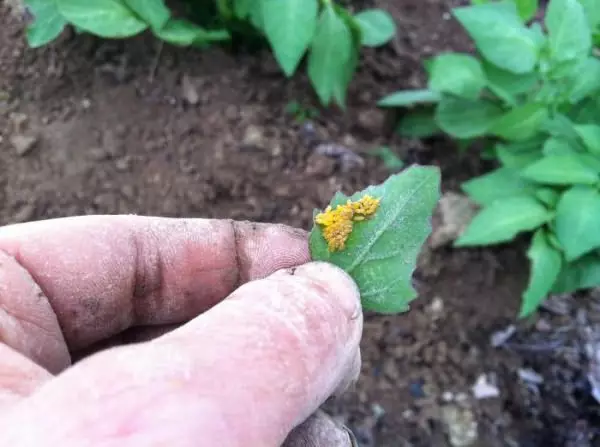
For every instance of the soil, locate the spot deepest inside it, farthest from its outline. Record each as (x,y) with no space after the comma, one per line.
(134,127)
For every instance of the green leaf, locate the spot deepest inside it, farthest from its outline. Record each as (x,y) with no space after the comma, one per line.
(577,221)
(459,74)
(516,158)
(242,8)
(546,263)
(154,13)
(381,252)
(389,158)
(465,118)
(48,22)
(569,31)
(500,35)
(527,9)
(418,124)
(586,111)
(495,185)
(330,53)
(377,27)
(548,196)
(592,12)
(507,85)
(558,146)
(502,220)
(181,32)
(561,126)
(586,81)
(581,274)
(561,170)
(257,12)
(406,98)
(290,27)
(349,68)
(590,134)
(104,18)
(520,123)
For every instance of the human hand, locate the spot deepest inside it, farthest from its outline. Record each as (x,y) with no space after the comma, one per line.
(238,338)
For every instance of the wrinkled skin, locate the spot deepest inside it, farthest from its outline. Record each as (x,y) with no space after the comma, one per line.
(186,332)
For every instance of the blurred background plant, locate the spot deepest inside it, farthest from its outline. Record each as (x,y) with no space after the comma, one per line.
(532,94)
(329,35)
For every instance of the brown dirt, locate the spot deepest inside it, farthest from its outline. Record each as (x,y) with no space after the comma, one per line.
(116,133)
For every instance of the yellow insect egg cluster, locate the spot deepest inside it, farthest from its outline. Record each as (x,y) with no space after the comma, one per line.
(338,223)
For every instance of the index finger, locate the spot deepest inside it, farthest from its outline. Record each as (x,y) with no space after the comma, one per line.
(104,274)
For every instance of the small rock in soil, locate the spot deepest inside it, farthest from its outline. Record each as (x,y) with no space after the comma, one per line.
(455,212)
(189,91)
(484,389)
(530,376)
(461,425)
(253,137)
(500,337)
(17,121)
(123,164)
(348,159)
(23,144)
(319,165)
(371,121)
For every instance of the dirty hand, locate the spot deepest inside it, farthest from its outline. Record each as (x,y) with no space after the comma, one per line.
(238,338)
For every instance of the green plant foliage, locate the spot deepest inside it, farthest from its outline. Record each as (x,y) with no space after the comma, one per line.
(48,22)
(389,158)
(466,118)
(290,27)
(330,52)
(327,33)
(527,8)
(533,95)
(568,169)
(104,18)
(377,27)
(503,219)
(410,98)
(578,220)
(569,32)
(457,74)
(500,35)
(502,183)
(546,262)
(381,252)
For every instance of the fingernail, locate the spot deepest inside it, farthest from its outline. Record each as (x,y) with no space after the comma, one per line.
(337,283)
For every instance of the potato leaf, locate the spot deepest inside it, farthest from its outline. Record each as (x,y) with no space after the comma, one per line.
(408,98)
(104,18)
(377,27)
(569,30)
(457,74)
(290,27)
(502,220)
(381,252)
(498,184)
(577,220)
(546,262)
(500,35)
(561,170)
(48,22)
(330,54)
(581,274)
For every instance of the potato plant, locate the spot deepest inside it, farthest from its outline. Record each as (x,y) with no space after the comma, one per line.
(532,93)
(375,235)
(326,33)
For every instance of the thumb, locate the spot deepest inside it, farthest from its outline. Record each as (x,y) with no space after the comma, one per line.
(244,373)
